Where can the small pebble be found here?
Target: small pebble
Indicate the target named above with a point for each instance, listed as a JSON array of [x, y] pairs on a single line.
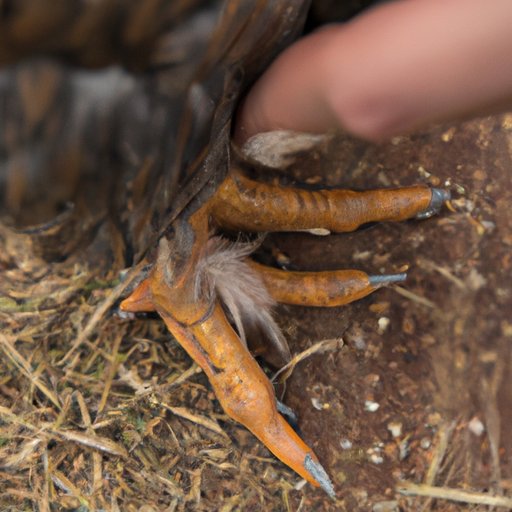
[[300, 484], [447, 136], [318, 231], [372, 379], [476, 427], [346, 444], [383, 324], [423, 172], [463, 204], [361, 255], [376, 458], [395, 427], [488, 225], [317, 404], [359, 343], [356, 337], [371, 406], [125, 315], [475, 280], [403, 449], [425, 443]]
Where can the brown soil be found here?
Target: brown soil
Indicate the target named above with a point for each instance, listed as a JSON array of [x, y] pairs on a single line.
[[432, 358]]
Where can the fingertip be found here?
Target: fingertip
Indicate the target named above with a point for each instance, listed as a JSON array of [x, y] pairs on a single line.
[[289, 94]]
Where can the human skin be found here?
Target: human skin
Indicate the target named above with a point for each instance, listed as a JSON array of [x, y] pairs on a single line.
[[395, 68]]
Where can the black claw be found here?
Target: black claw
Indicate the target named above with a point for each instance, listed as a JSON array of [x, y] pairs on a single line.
[[439, 196], [288, 413], [384, 279], [319, 474]]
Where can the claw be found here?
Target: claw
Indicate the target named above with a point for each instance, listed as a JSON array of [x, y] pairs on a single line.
[[385, 279], [140, 300], [288, 413], [439, 197], [318, 473]]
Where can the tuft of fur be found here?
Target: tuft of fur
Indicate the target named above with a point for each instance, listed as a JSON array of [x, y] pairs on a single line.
[[223, 273], [280, 148]]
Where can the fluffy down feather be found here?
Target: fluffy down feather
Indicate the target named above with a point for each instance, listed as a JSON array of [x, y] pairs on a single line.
[[223, 273]]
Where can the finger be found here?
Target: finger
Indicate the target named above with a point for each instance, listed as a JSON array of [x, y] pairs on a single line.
[[393, 69]]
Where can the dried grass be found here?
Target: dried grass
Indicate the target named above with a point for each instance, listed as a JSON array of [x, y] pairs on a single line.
[[100, 412]]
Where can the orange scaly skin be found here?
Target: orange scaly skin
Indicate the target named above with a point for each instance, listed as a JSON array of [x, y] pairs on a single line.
[[247, 205], [242, 388], [320, 289], [203, 331], [200, 325]]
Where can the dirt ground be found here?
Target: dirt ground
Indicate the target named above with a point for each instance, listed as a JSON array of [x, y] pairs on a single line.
[[418, 394], [425, 364]]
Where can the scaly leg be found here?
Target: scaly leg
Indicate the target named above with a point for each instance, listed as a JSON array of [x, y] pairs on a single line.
[[202, 329], [321, 289], [198, 322], [246, 205]]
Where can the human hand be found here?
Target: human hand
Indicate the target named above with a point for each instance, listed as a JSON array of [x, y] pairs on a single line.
[[391, 70]]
